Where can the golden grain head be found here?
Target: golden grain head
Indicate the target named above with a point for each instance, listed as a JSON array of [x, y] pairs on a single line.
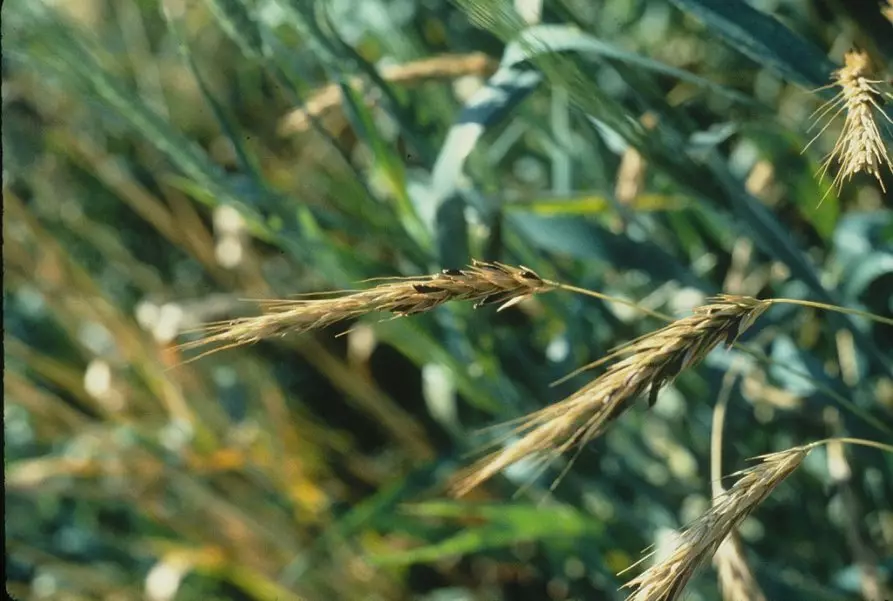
[[667, 579], [860, 146], [485, 283], [888, 10], [643, 365]]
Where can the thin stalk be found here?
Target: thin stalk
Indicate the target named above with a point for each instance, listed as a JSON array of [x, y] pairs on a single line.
[[834, 308], [611, 299], [856, 441]]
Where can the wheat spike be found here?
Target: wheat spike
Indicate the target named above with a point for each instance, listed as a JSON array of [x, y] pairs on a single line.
[[665, 581], [888, 10], [645, 364], [485, 283], [860, 146]]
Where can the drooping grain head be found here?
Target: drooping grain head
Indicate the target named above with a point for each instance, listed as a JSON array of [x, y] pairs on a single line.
[[666, 580], [485, 283], [643, 365], [860, 147]]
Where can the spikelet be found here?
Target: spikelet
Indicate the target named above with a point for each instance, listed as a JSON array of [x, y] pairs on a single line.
[[485, 283], [666, 580], [645, 364], [860, 146]]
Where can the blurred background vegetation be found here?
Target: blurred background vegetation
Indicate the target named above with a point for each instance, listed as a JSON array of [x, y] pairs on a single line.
[[163, 161]]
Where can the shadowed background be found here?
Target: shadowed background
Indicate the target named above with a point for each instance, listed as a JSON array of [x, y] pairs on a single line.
[[162, 162]]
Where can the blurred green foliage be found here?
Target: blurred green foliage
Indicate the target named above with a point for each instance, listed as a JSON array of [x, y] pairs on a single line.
[[164, 160]]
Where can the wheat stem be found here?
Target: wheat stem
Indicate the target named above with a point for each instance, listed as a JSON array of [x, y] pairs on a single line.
[[834, 308], [864, 442], [612, 299]]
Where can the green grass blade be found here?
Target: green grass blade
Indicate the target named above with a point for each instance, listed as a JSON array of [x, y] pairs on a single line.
[[505, 526], [764, 39], [227, 125], [235, 18]]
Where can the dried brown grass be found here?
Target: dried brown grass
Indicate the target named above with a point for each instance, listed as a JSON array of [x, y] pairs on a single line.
[[645, 364], [328, 98], [860, 147], [486, 283], [666, 580], [633, 166]]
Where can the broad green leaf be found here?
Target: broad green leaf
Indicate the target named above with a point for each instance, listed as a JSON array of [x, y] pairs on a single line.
[[386, 162], [594, 204], [786, 352], [60, 49], [422, 347], [515, 80], [504, 525], [227, 124], [586, 241], [763, 39], [671, 156], [546, 39], [373, 510], [389, 101], [235, 18], [867, 270], [503, 91], [862, 234]]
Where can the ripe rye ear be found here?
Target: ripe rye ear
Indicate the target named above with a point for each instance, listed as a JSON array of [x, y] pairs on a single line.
[[484, 283], [667, 579], [640, 367], [860, 146]]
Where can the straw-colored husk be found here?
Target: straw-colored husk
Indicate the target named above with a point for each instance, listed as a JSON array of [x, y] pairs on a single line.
[[666, 580], [860, 147], [485, 283], [645, 364], [329, 98]]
